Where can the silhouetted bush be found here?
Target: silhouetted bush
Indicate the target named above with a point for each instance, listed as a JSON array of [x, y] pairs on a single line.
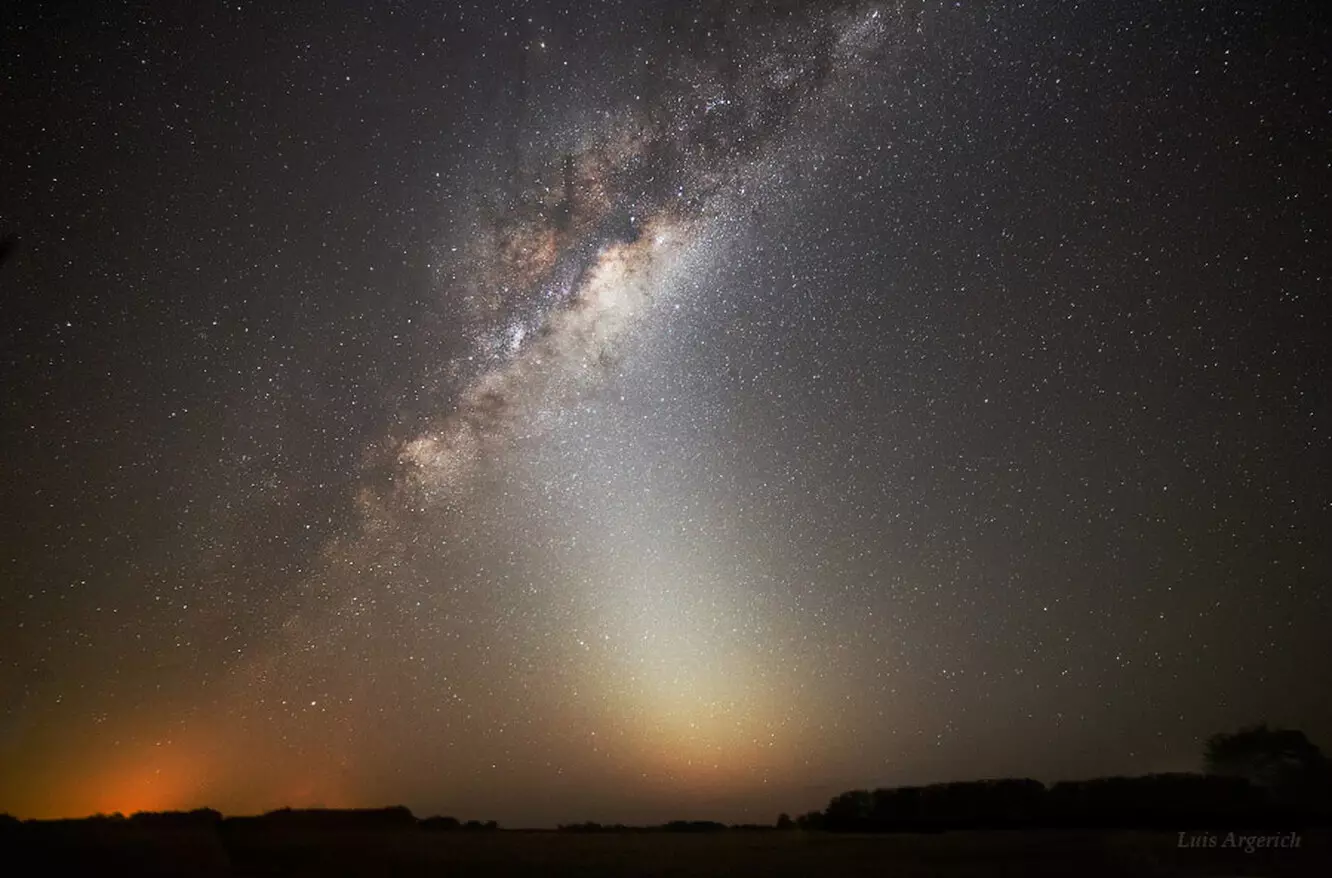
[[811, 820], [694, 826], [591, 826], [588, 826], [441, 824], [331, 819], [478, 826], [205, 818]]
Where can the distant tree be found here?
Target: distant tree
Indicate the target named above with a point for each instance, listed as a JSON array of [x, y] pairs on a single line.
[[479, 826], [587, 826], [784, 821], [851, 811], [810, 820], [397, 815], [440, 824], [1283, 761], [197, 817], [694, 826]]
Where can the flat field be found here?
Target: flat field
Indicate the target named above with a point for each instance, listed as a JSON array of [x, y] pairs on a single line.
[[81, 849]]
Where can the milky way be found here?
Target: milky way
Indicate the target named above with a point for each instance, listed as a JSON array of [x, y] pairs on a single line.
[[659, 173], [652, 410]]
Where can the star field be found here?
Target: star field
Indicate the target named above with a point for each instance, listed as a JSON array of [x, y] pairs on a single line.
[[646, 410]]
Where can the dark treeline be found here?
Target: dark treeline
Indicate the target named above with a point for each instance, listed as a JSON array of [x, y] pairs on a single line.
[[284, 819], [1256, 777], [1157, 801]]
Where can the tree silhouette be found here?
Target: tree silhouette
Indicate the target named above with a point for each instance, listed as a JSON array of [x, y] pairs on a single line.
[[441, 824], [1283, 761], [811, 820]]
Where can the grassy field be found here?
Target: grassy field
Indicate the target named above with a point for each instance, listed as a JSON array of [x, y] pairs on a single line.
[[256, 852]]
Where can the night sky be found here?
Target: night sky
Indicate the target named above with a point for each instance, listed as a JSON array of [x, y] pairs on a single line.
[[629, 411]]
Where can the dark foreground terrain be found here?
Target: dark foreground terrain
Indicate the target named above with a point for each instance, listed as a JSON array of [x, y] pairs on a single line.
[[82, 848]]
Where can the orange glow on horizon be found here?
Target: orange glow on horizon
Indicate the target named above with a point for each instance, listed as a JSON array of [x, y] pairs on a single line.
[[167, 778]]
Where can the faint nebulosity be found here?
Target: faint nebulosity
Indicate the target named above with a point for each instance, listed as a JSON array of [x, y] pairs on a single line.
[[647, 410]]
